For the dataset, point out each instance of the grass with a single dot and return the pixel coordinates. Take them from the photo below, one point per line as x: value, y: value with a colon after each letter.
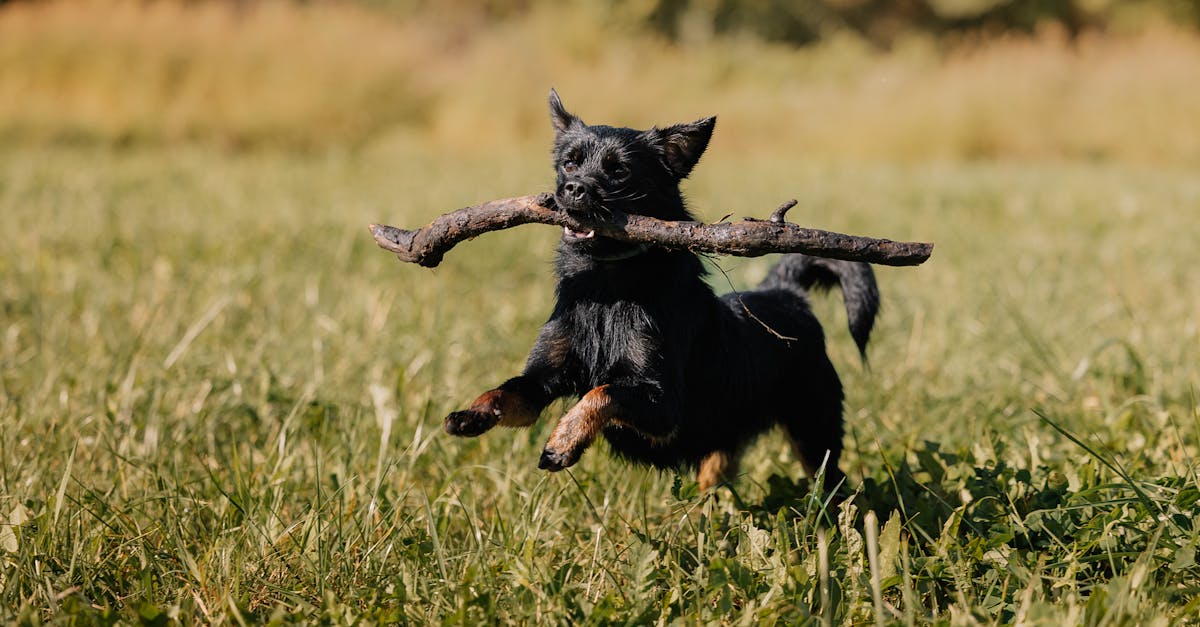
x: 221, y: 403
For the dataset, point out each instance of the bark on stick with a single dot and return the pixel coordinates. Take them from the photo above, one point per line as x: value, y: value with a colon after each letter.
x: 746, y: 238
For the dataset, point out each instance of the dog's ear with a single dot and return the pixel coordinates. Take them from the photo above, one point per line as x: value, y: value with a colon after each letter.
x: 682, y: 144
x: 559, y: 116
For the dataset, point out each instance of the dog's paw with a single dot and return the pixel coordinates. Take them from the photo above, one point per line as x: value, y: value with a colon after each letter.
x: 470, y: 423
x: 555, y: 461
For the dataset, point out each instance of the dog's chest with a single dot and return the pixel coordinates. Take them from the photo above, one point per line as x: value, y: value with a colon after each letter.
x: 611, y: 339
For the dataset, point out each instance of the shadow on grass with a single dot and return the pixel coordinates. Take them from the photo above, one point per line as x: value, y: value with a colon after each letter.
x: 1089, y: 528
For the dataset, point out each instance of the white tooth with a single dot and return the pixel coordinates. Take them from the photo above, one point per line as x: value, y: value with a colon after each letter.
x: 566, y: 231
x: 590, y: 234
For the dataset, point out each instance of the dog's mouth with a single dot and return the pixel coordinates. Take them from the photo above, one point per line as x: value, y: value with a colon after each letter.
x: 571, y: 235
x: 600, y: 247
x: 583, y: 212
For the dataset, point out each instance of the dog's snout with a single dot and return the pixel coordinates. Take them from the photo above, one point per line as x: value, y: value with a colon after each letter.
x: 574, y: 191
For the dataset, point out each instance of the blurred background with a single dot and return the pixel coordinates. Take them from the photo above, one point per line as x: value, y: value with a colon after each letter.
x: 855, y: 79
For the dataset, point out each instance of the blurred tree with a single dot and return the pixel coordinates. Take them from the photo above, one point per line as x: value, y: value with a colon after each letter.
x: 883, y: 21
x: 802, y: 22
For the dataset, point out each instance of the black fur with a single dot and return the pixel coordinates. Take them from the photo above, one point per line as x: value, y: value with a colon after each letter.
x: 689, y: 373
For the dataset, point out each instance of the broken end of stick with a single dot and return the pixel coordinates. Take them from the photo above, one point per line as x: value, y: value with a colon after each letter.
x: 921, y: 251
x: 383, y: 236
x: 400, y: 241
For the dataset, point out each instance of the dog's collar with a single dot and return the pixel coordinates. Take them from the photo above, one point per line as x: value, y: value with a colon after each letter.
x: 640, y: 249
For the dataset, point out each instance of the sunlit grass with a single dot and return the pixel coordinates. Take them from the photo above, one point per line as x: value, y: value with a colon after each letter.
x: 221, y: 400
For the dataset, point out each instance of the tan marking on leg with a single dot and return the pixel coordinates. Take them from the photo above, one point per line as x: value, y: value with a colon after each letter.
x: 509, y: 406
x: 578, y: 428
x: 716, y: 468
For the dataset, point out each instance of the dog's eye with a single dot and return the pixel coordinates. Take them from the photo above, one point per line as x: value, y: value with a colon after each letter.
x: 616, y: 169
x: 569, y: 166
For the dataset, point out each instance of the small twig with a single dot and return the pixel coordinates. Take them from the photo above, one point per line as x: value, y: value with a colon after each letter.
x: 738, y: 294
x: 777, y: 216
x: 426, y: 246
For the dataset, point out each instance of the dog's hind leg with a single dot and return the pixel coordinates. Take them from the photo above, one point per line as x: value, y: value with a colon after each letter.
x: 814, y: 458
x: 814, y: 423
x: 716, y: 468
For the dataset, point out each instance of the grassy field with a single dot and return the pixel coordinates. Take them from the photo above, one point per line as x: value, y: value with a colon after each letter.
x: 222, y: 403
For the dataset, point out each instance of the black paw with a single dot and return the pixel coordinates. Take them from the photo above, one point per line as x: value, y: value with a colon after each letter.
x: 555, y: 461
x: 469, y: 423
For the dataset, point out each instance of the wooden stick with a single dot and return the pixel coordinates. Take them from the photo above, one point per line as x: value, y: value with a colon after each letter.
x: 747, y: 238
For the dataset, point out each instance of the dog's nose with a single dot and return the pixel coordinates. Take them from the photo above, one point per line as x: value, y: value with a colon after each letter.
x: 574, y: 191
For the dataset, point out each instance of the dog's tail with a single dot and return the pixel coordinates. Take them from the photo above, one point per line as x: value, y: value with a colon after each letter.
x: 857, y: 280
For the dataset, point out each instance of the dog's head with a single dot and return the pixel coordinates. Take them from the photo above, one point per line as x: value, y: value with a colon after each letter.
x: 606, y: 169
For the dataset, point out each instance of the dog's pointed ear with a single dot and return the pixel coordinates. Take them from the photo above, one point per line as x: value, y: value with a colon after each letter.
x: 682, y: 144
x: 559, y: 116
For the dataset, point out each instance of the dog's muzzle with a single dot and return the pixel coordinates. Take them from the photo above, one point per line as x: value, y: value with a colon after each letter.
x: 578, y: 197
x: 575, y: 199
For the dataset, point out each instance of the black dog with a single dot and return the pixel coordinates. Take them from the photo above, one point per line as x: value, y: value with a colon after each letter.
x: 670, y: 374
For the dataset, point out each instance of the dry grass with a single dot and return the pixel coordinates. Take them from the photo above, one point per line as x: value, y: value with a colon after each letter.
x: 132, y: 71
x: 336, y: 74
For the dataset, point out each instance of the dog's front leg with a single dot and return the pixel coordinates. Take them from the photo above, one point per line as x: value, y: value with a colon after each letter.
x: 516, y: 403
x: 519, y: 401
x: 577, y: 429
x: 628, y: 405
